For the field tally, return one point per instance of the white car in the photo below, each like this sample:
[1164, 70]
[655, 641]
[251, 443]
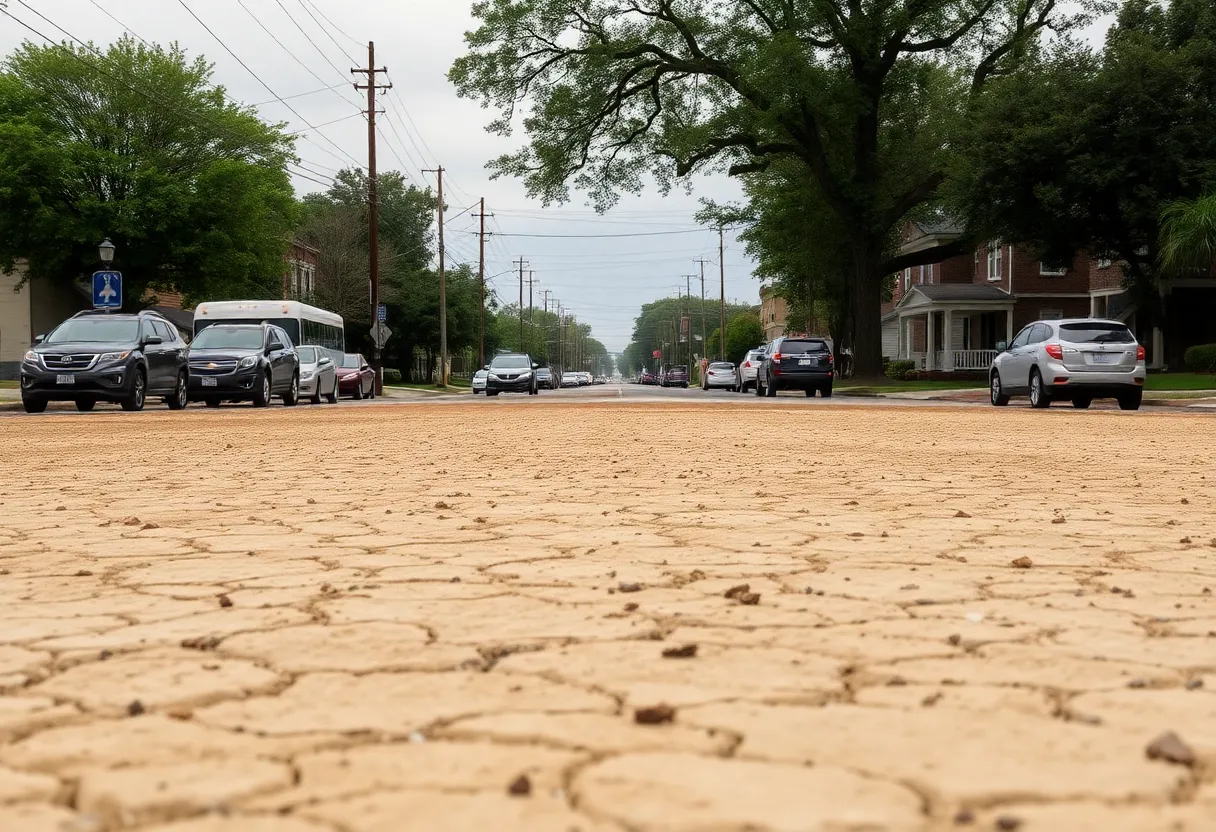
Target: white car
[479, 381]
[318, 375]
[748, 367]
[719, 374]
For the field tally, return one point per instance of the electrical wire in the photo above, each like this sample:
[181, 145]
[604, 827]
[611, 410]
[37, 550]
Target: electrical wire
[320, 52]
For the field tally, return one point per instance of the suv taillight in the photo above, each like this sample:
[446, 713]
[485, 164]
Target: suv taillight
[1055, 351]
[777, 357]
[831, 358]
[1139, 353]
[747, 363]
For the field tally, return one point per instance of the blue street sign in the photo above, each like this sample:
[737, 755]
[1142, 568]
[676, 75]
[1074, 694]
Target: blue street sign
[381, 313]
[107, 290]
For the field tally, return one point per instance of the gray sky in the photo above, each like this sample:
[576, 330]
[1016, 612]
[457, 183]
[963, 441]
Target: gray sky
[603, 281]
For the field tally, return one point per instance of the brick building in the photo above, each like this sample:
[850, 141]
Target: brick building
[773, 313]
[300, 277]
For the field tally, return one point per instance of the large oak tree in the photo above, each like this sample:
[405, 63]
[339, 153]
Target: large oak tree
[862, 95]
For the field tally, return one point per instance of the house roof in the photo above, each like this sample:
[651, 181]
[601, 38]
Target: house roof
[940, 226]
[953, 292]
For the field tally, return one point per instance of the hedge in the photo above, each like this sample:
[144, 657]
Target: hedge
[1201, 359]
[898, 370]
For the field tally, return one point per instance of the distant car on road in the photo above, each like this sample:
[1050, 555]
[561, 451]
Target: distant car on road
[318, 376]
[719, 374]
[243, 362]
[512, 373]
[356, 378]
[570, 380]
[584, 379]
[797, 363]
[648, 377]
[94, 357]
[675, 377]
[748, 367]
[1075, 359]
[479, 381]
[544, 378]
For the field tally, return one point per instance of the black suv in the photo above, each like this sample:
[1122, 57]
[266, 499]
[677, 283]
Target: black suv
[796, 363]
[512, 373]
[97, 357]
[243, 362]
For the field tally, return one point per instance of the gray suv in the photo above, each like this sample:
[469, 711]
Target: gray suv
[1074, 359]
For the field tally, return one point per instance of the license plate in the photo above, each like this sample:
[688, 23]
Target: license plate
[804, 362]
[65, 379]
[209, 382]
[1106, 358]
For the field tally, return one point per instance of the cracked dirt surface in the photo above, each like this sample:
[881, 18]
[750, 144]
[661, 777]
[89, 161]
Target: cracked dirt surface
[456, 618]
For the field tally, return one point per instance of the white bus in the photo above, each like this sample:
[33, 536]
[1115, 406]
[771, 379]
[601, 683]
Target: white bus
[305, 324]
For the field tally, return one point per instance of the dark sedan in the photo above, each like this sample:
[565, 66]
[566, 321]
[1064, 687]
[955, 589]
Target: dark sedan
[356, 378]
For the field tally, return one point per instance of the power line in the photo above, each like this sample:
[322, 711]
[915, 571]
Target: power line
[297, 95]
[305, 4]
[325, 124]
[308, 37]
[125, 27]
[593, 236]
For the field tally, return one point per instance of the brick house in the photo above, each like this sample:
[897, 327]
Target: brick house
[300, 278]
[773, 313]
[950, 315]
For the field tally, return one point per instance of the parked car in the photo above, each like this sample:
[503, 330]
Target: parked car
[1075, 359]
[244, 362]
[599, 380]
[648, 377]
[479, 381]
[318, 374]
[544, 378]
[94, 357]
[512, 373]
[745, 378]
[356, 378]
[675, 377]
[584, 379]
[796, 363]
[570, 380]
[719, 374]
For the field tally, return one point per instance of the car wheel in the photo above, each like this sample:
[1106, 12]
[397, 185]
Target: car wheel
[810, 392]
[33, 405]
[85, 405]
[181, 394]
[996, 391]
[1082, 402]
[292, 397]
[770, 391]
[261, 396]
[316, 397]
[371, 389]
[211, 402]
[1039, 397]
[491, 393]
[1131, 401]
[358, 394]
[333, 397]
[826, 391]
[135, 399]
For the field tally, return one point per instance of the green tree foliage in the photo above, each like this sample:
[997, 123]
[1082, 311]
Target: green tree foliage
[136, 145]
[1188, 235]
[862, 99]
[1084, 150]
[654, 327]
[744, 332]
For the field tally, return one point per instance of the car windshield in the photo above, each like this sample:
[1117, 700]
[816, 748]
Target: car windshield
[229, 337]
[1096, 333]
[95, 329]
[721, 365]
[351, 361]
[801, 347]
[510, 362]
[679, 369]
[308, 355]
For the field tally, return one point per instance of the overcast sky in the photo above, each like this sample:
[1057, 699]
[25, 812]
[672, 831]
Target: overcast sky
[603, 281]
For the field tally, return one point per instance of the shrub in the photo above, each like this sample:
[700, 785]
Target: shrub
[1201, 359]
[899, 370]
[392, 376]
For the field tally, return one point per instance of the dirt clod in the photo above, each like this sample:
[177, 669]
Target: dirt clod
[629, 586]
[225, 601]
[954, 639]
[135, 708]
[964, 817]
[736, 591]
[181, 714]
[1058, 521]
[749, 599]
[131, 521]
[442, 505]
[83, 573]
[1022, 563]
[686, 651]
[962, 514]
[1170, 748]
[201, 643]
[1008, 823]
[1194, 684]
[631, 607]
[521, 786]
[660, 714]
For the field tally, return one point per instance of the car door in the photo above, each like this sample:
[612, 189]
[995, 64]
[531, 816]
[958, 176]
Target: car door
[175, 353]
[275, 355]
[1015, 363]
[155, 357]
[1036, 357]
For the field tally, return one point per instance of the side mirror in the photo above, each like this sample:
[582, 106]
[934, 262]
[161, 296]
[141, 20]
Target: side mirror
[365, 368]
[153, 340]
[1001, 346]
[487, 367]
[535, 366]
[38, 339]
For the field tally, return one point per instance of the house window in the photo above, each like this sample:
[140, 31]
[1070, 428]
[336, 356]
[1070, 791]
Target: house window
[922, 276]
[1103, 262]
[1052, 269]
[907, 279]
[994, 260]
[1050, 314]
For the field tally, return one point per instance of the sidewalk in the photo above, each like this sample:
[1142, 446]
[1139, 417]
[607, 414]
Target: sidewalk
[1152, 398]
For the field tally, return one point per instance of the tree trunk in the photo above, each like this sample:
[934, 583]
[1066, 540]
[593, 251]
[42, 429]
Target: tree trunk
[867, 309]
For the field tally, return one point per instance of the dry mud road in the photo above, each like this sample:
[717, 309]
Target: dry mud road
[595, 616]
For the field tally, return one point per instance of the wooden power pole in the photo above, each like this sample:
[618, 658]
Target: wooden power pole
[722, 304]
[481, 273]
[443, 298]
[373, 213]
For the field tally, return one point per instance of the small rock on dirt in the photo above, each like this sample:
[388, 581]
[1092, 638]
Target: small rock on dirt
[180, 714]
[131, 521]
[442, 505]
[201, 643]
[629, 586]
[1022, 563]
[962, 514]
[1194, 684]
[954, 639]
[1008, 823]
[686, 651]
[1170, 748]
[135, 708]
[736, 591]
[521, 786]
[83, 573]
[225, 601]
[965, 817]
[749, 599]
[654, 715]
[1058, 521]
[631, 607]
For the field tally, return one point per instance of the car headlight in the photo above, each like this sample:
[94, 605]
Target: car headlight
[307, 375]
[526, 374]
[247, 362]
[108, 357]
[492, 377]
[31, 357]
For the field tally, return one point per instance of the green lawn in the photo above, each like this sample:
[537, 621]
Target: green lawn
[8, 385]
[908, 387]
[459, 383]
[1180, 381]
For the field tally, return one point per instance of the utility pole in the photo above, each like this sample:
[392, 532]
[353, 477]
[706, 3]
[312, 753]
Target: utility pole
[531, 325]
[443, 299]
[481, 270]
[546, 293]
[704, 343]
[373, 213]
[722, 307]
[521, 263]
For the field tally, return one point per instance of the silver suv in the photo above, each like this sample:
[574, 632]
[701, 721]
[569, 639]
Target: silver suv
[1075, 359]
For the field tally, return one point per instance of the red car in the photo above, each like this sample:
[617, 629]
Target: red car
[356, 377]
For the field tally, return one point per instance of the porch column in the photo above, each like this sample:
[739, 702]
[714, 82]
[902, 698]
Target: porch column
[948, 338]
[1093, 306]
[1158, 349]
[1008, 327]
[930, 345]
[907, 336]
